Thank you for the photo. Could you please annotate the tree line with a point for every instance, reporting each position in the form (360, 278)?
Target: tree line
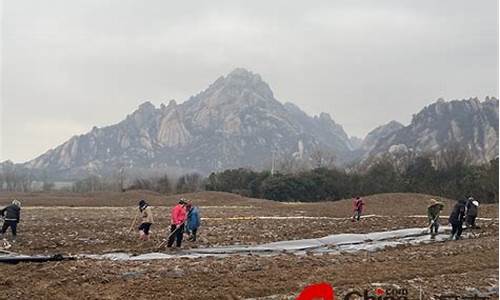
(15, 178)
(453, 180)
(448, 174)
(187, 183)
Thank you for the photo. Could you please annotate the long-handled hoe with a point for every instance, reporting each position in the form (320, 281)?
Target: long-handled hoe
(168, 237)
(432, 222)
(133, 223)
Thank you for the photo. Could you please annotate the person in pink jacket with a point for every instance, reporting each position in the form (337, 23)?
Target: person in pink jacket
(177, 224)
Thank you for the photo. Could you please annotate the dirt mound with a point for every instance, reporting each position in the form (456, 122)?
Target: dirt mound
(393, 204)
(128, 198)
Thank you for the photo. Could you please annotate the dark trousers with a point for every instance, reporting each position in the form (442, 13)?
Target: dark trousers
(193, 234)
(471, 221)
(145, 228)
(456, 230)
(12, 225)
(434, 227)
(177, 236)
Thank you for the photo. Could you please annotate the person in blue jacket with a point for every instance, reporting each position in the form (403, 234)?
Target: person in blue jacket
(193, 220)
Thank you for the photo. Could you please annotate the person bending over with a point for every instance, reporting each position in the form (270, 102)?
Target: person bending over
(11, 215)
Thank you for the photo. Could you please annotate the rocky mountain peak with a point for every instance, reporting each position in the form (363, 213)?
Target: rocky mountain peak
(393, 125)
(241, 80)
(144, 115)
(489, 99)
(243, 75)
(325, 117)
(470, 123)
(235, 122)
(146, 107)
(380, 133)
(454, 109)
(171, 105)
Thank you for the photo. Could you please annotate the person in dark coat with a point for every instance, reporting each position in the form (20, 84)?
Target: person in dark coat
(472, 207)
(11, 215)
(456, 219)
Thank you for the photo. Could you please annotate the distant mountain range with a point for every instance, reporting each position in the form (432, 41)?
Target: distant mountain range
(237, 122)
(469, 124)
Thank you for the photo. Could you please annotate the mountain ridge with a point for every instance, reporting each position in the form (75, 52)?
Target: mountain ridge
(235, 121)
(468, 123)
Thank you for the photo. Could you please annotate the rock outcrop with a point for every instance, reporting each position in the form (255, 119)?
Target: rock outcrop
(235, 122)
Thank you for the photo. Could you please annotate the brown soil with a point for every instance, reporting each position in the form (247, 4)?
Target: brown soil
(98, 223)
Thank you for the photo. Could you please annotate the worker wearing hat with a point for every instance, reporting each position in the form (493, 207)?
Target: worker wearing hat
(11, 215)
(433, 210)
(472, 207)
(146, 220)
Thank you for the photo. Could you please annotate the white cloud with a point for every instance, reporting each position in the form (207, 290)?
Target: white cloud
(35, 136)
(93, 61)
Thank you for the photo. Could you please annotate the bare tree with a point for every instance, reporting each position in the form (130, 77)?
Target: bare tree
(25, 179)
(121, 177)
(9, 173)
(163, 185)
(141, 184)
(16, 179)
(92, 183)
(322, 158)
(47, 186)
(2, 180)
(289, 164)
(189, 183)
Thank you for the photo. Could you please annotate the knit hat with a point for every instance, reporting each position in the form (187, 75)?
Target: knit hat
(16, 202)
(143, 204)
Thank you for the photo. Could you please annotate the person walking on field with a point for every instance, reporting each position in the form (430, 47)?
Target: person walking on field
(456, 220)
(433, 210)
(193, 220)
(358, 206)
(11, 215)
(146, 216)
(472, 207)
(178, 219)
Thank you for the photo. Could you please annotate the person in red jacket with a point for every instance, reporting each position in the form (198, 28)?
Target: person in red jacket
(358, 205)
(177, 224)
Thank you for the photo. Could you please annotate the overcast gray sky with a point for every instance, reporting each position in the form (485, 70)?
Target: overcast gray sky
(70, 65)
